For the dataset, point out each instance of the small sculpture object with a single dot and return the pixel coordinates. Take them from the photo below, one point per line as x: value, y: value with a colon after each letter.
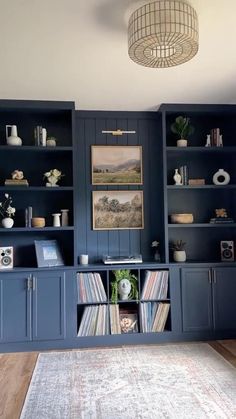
x: 17, y: 178
x: 17, y: 175
x: 221, y: 212
x: 155, y: 245
x: 208, y: 141
x: 124, y: 289
x: 221, y: 216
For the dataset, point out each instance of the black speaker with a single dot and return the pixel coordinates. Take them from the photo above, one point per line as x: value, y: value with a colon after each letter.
x: 227, y: 250
x: 6, y: 257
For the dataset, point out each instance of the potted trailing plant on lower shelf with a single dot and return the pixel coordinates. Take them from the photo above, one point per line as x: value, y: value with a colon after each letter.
x: 183, y: 129
x: 124, y: 286
x: 179, y: 253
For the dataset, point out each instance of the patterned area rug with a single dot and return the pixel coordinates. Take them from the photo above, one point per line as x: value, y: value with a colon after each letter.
x: 165, y: 381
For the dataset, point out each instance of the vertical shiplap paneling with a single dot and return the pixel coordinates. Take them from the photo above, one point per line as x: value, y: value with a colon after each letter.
x: 119, y: 242
x: 102, y: 235
x: 133, y: 139
x: 113, y: 235
x: 124, y: 235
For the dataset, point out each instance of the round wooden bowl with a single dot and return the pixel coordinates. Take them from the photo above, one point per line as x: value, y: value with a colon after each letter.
x: 38, y: 222
x: 181, y: 218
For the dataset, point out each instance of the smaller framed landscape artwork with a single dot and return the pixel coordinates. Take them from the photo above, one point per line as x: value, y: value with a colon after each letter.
x: 116, y: 210
x: 116, y: 165
x: 48, y: 253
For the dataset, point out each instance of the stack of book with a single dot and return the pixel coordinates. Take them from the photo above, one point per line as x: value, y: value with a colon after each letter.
x: 94, y: 321
x: 90, y: 288
x: 154, y: 316
x: 183, y: 170
x: 16, y: 182
x: 216, y: 138
x: 155, y: 285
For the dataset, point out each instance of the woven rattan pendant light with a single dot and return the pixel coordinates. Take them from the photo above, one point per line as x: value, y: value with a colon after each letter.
x: 163, y: 33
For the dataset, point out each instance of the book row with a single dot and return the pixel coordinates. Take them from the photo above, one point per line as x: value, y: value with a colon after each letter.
x: 155, y: 285
x: 114, y: 319
x: 90, y: 288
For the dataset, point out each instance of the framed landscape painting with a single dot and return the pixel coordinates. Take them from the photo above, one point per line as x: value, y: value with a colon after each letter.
x: 116, y: 210
x: 117, y: 165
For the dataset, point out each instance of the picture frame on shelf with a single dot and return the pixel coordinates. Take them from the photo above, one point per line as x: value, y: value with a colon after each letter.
x: 48, y: 253
x: 117, y: 210
x: 116, y: 165
x: 128, y: 321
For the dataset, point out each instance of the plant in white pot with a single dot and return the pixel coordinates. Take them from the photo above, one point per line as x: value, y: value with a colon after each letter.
x: 179, y: 253
x: 7, y: 211
x: 183, y: 129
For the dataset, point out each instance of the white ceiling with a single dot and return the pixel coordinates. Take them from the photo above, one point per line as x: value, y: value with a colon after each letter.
x: 77, y: 50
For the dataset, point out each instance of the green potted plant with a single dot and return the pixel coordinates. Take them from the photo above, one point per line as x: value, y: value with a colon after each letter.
x: 183, y: 129
x: 179, y: 253
x: 124, y: 285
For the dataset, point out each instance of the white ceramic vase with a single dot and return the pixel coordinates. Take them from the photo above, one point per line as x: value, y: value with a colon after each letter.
x: 221, y: 177
x: 52, y: 181
x: 7, y: 222
x: 13, y: 139
x: 179, y: 255
x: 177, y: 178
x: 64, y: 217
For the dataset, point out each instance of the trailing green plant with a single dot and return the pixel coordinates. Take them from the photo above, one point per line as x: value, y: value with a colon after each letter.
x: 182, y: 127
x: 178, y: 245
x: 118, y: 276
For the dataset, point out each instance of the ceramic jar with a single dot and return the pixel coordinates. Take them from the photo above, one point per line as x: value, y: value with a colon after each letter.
x: 179, y: 255
x: 56, y: 220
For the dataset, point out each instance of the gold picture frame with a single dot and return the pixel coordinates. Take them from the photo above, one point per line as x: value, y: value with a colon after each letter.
x: 116, y: 165
x: 117, y: 210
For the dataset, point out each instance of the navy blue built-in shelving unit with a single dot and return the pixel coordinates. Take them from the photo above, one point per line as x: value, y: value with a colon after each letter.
x: 39, y: 307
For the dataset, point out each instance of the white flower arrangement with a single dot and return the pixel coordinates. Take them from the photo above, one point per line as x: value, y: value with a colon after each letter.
x: 53, y: 176
x: 6, y: 210
x: 55, y: 173
x: 155, y: 243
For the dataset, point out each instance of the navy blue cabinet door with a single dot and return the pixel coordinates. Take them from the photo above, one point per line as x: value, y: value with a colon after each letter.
x: 196, y: 299
x: 15, y: 302
x: 48, y: 295
x: 224, y: 292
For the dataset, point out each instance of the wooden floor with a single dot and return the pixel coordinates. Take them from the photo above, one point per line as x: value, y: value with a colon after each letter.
x: 16, y: 370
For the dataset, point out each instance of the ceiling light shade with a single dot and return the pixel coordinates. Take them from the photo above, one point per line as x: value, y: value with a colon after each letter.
x: 163, y: 34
